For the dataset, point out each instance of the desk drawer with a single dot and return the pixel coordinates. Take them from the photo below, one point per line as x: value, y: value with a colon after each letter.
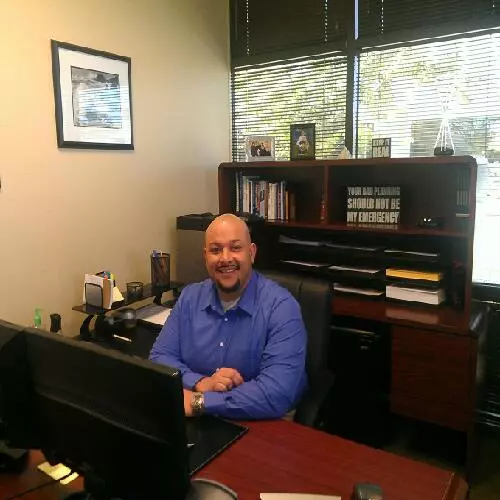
x: 430, y: 411
x: 431, y: 376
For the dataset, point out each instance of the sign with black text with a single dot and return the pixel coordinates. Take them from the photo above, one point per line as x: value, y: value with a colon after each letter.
x: 373, y: 204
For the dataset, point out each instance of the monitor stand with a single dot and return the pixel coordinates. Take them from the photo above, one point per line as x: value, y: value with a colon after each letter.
x: 200, y: 489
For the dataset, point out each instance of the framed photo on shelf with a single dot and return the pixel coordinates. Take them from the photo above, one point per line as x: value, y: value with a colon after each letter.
x: 381, y: 147
x: 92, y: 92
x: 259, y: 148
x: 302, y: 141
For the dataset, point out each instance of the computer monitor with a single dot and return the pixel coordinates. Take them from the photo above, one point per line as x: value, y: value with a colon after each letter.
x: 116, y: 420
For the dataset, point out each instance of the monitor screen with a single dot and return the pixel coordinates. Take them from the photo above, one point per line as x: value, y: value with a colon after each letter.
x: 117, y: 420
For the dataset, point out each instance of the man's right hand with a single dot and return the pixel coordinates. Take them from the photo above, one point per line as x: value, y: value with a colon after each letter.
x: 224, y: 379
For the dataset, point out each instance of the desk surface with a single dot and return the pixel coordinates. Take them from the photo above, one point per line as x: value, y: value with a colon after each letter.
x: 279, y: 456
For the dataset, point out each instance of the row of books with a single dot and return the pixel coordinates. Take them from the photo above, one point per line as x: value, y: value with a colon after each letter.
x: 270, y: 200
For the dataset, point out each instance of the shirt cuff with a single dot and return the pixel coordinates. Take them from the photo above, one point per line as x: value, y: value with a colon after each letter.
x: 215, y: 402
x: 190, y: 379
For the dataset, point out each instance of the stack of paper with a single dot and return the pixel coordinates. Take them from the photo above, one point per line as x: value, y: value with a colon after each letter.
x: 154, y: 314
x: 411, y: 253
x: 303, y: 263
x: 352, y: 269
x: 337, y: 287
x: 296, y: 241
x: 425, y: 296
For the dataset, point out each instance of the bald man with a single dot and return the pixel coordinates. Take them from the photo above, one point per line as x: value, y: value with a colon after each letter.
x: 237, y: 338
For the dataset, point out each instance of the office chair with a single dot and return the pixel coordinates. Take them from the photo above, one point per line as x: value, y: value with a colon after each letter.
x: 315, y: 298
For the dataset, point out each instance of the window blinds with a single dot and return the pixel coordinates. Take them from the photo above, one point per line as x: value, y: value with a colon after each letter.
x: 437, y: 17
x: 268, y: 98
x: 263, y: 27
x: 402, y: 92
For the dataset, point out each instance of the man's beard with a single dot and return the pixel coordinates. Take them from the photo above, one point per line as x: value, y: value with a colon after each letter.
x: 229, y: 289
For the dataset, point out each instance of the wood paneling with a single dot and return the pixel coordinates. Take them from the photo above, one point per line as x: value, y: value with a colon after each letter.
x: 279, y: 456
x: 431, y: 376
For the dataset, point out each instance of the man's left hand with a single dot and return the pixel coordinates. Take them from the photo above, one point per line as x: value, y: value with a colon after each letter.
x: 188, y: 409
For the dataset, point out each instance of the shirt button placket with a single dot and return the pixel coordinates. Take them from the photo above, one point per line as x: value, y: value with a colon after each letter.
x: 221, y: 343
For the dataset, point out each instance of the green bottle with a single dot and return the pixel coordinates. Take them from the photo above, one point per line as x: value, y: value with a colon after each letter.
x: 37, y: 319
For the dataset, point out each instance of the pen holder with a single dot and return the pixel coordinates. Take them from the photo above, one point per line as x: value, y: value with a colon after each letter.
x: 134, y: 291
x: 160, y: 271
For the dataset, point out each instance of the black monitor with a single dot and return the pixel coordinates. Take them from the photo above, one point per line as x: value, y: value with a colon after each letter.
x: 116, y: 420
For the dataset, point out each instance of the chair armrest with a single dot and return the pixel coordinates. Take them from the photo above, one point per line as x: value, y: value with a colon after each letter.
x: 308, y: 411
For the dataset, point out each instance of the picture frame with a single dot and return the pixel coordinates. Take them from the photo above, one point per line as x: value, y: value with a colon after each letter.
x: 302, y: 141
x: 381, y: 147
x: 92, y: 98
x: 259, y: 148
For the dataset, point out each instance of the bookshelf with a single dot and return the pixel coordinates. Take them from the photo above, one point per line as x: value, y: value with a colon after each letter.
x: 315, y: 230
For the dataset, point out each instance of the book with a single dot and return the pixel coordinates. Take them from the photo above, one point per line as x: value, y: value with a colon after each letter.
x: 361, y: 270
x: 424, y: 296
x: 410, y: 274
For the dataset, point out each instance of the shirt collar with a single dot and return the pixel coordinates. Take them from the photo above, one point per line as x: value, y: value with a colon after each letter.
x: 246, y: 302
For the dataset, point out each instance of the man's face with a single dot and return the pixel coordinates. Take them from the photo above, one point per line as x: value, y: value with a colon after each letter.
x: 229, y: 256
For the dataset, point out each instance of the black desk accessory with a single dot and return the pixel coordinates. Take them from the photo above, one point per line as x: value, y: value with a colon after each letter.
x: 160, y: 270
x: 135, y: 290
x: 55, y: 323
x: 119, y: 322
x: 210, y: 436
x: 12, y: 460
x: 148, y: 291
x: 430, y: 222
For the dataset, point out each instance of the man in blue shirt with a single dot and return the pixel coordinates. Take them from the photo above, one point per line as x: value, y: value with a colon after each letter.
x: 237, y: 338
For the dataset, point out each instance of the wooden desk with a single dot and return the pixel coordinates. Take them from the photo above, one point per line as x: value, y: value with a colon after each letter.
x: 279, y: 456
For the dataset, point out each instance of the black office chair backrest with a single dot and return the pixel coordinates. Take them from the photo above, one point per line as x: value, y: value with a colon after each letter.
x: 315, y: 298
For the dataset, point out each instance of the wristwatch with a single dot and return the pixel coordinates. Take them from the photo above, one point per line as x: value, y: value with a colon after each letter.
x: 197, y: 403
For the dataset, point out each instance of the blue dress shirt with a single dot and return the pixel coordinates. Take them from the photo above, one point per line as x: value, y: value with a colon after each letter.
x: 263, y: 337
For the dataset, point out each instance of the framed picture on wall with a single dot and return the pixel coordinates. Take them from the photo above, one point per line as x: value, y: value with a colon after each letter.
x: 92, y: 92
x: 302, y: 141
x: 259, y: 148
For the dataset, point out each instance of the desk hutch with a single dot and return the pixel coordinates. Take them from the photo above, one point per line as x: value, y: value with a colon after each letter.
x: 435, y: 351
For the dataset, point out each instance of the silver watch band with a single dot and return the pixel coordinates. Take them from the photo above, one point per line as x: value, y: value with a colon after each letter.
x: 197, y: 403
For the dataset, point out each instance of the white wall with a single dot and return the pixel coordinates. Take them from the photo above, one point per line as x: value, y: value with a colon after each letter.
x: 67, y: 212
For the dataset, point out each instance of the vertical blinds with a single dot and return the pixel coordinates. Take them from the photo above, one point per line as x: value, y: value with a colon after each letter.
x: 268, y: 98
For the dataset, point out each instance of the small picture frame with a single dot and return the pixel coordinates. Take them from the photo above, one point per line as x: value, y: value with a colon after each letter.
x: 381, y: 147
x: 259, y: 148
x: 302, y: 141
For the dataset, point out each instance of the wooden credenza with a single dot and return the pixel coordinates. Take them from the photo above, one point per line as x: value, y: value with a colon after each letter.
x: 435, y: 351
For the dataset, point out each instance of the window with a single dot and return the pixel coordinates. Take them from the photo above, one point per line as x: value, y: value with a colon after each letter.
x: 268, y: 98
x: 402, y: 92
x: 397, y: 79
